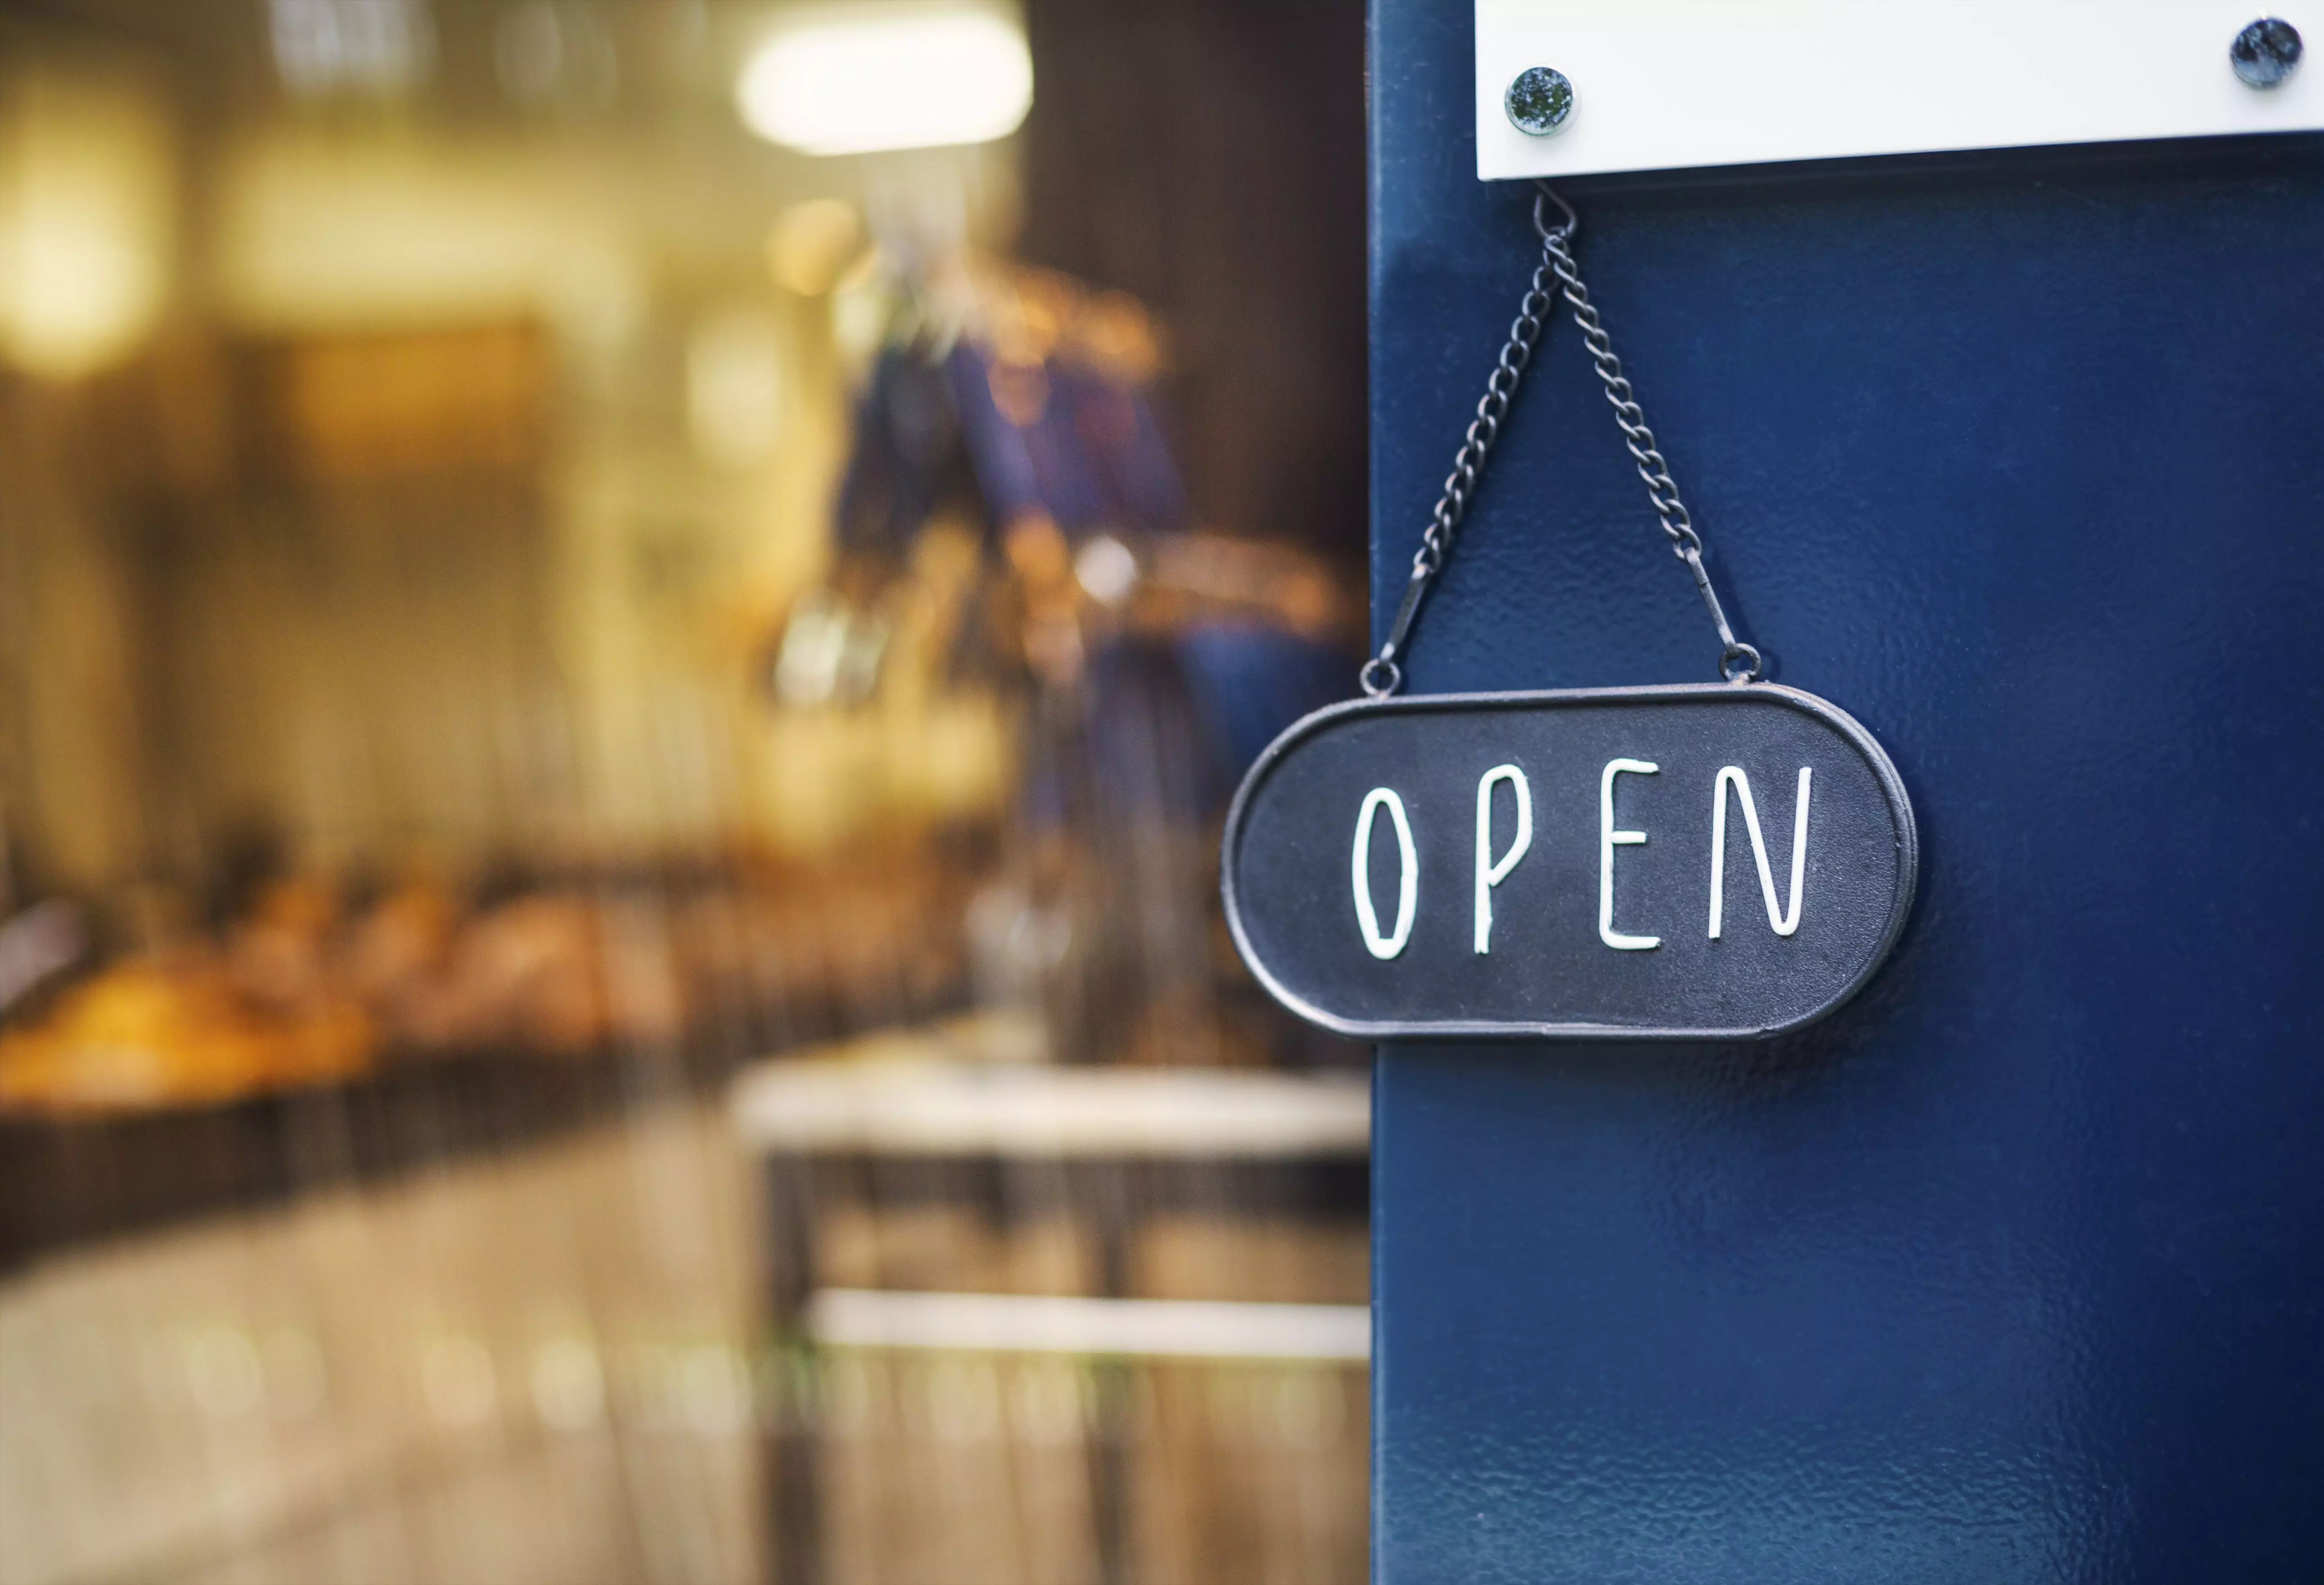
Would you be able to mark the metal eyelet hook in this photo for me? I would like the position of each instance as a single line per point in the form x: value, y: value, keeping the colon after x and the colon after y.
x: 1544, y: 196
x: 1379, y: 677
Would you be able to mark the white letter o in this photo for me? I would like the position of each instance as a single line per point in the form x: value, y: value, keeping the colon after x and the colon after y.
x: 1407, y: 889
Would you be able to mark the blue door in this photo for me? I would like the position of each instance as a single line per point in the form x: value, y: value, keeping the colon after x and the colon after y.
x: 2012, y: 1270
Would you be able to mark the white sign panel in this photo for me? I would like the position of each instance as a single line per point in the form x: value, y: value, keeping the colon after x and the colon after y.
x: 1673, y: 84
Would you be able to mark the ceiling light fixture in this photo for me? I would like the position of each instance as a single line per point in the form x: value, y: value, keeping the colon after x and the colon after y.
x: 864, y: 79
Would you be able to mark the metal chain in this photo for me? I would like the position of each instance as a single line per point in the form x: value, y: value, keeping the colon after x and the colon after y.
x: 1737, y: 661
x: 1381, y: 676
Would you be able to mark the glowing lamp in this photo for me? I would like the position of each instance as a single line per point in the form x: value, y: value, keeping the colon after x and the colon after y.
x: 864, y: 79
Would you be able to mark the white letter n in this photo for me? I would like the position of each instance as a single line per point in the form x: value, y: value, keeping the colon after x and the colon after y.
x: 1783, y: 922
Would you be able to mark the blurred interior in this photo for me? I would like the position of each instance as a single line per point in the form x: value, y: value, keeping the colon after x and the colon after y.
x: 625, y: 626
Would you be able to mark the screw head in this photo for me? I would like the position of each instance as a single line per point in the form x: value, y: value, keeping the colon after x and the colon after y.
x: 1539, y: 100
x: 2266, y: 52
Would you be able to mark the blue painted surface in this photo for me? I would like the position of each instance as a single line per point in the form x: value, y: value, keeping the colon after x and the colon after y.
x: 2014, y: 1269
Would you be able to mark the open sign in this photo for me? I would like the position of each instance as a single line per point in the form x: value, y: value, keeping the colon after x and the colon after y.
x: 1714, y: 862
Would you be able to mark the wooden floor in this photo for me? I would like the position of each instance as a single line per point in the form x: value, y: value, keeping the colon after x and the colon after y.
x: 549, y: 1366
x: 532, y: 1366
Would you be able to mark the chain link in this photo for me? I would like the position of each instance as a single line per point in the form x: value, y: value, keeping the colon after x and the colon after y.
x: 1737, y: 661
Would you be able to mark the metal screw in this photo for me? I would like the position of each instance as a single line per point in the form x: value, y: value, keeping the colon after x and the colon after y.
x: 1538, y: 100
x: 2263, y: 54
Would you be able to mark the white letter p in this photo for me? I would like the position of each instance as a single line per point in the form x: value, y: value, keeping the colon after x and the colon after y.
x: 1491, y: 871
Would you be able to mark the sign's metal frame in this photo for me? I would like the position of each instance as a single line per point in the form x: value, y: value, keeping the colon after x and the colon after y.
x: 1891, y: 784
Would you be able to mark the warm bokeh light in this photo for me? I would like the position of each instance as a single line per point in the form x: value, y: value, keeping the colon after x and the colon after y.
x: 812, y: 243
x: 85, y: 224
x: 311, y: 231
x: 734, y: 385
x: 864, y: 79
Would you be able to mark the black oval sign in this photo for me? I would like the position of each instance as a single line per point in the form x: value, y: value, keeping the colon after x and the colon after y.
x: 1713, y: 861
